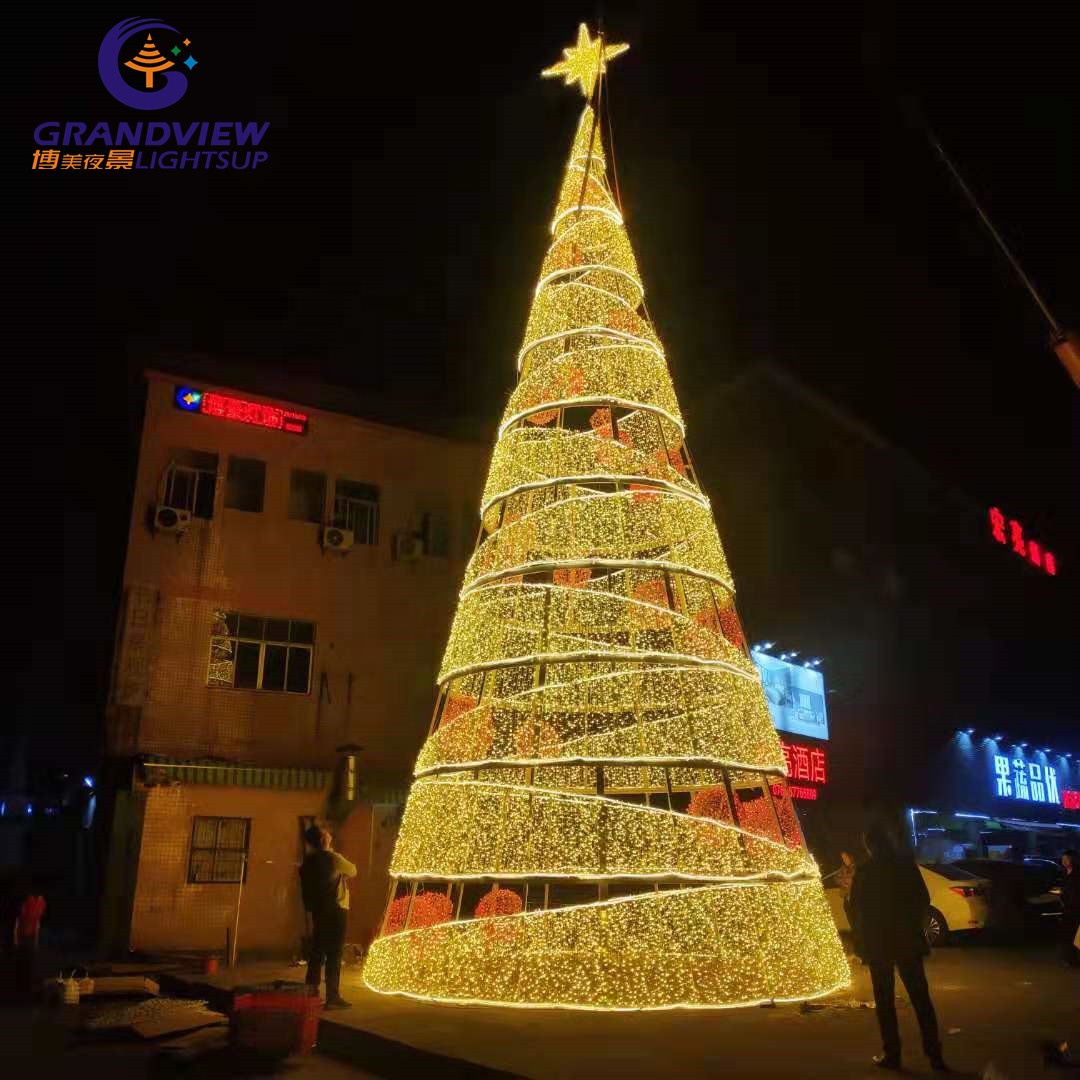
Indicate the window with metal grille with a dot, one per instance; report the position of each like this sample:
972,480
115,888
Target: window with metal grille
190,482
219,849
256,652
356,507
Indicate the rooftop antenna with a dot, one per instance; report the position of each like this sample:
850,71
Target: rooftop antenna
1064,343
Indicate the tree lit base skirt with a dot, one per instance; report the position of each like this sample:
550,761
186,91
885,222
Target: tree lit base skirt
711,946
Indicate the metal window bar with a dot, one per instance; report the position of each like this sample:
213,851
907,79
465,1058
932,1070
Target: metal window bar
236,639
359,515
220,847
188,497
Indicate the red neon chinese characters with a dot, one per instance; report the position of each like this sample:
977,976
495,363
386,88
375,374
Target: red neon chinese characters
1009,531
253,412
1070,800
801,757
804,763
997,524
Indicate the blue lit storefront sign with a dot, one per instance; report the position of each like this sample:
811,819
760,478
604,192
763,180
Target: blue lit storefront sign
989,796
1026,781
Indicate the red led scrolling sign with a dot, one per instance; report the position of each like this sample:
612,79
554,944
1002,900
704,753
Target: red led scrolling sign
797,791
1009,531
228,407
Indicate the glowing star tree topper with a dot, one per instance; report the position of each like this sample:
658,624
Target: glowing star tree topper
585,62
599,817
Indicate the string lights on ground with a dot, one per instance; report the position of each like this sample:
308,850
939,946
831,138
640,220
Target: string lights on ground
600,817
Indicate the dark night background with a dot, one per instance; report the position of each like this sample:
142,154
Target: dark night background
780,205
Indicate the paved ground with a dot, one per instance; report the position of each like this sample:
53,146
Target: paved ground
997,1005
45,1042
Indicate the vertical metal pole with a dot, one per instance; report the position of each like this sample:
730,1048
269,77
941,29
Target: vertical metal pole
236,921
371,843
389,900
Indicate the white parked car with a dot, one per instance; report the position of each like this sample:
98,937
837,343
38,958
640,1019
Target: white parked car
959,901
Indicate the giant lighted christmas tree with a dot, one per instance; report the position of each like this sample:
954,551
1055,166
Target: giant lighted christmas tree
600,817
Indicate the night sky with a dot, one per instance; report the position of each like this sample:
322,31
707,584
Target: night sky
781,205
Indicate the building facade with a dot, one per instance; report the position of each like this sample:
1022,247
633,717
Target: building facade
993,795
289,580
933,610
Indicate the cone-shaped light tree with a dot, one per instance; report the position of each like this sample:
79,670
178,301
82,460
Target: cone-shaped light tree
599,817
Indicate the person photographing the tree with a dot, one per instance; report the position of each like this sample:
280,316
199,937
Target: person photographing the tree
324,885
889,902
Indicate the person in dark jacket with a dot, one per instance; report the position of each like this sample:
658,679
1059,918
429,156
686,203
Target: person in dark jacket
324,885
889,901
1070,903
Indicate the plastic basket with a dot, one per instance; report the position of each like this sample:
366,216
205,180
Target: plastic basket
276,1021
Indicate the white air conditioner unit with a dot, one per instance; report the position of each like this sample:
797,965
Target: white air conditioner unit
408,547
168,519
335,539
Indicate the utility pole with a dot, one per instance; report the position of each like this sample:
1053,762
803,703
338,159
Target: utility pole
1065,343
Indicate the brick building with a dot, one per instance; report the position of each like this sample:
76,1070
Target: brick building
290,576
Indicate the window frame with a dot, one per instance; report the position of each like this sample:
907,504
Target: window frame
214,851
440,525
199,476
237,638
345,509
239,459
293,473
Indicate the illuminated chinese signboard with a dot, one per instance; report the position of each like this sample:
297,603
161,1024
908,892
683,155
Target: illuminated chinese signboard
804,763
1028,781
1008,531
228,407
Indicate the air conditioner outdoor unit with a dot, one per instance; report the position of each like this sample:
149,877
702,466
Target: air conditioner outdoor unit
335,539
408,547
168,519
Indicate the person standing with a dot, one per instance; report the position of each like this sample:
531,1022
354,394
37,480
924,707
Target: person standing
324,885
845,878
27,933
1070,914
889,901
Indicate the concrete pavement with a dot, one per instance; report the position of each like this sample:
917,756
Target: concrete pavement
997,1006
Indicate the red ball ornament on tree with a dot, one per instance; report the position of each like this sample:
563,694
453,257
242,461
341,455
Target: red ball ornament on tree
732,630
711,802
428,909
498,902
